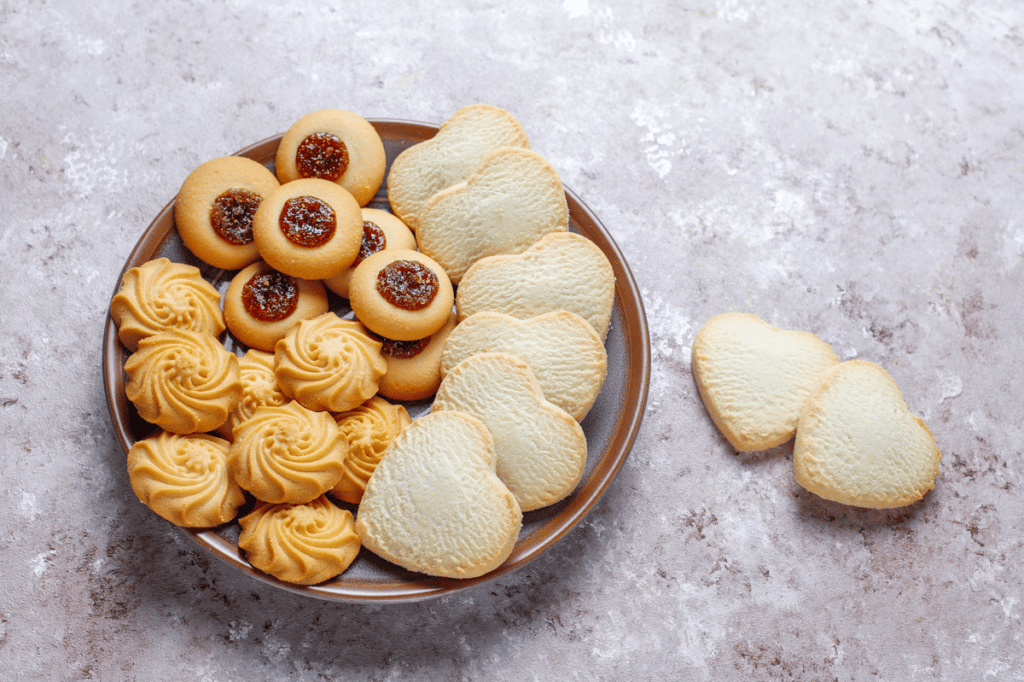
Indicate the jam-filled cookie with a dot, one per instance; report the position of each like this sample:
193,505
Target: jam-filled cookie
335,145
381,230
160,295
303,544
215,208
262,304
185,479
401,294
309,228
183,381
414,367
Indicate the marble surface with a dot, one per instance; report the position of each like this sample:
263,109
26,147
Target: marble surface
848,168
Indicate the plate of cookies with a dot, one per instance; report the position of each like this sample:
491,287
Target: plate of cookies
376,360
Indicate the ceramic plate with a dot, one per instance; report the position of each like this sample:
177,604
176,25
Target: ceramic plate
610,426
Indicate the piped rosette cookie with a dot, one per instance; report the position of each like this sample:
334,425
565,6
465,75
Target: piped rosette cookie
183,381
259,388
329,363
287,454
369,430
185,479
160,295
303,544
262,304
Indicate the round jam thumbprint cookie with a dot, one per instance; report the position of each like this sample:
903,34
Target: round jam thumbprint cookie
309,228
414,367
401,294
262,304
335,145
381,230
215,208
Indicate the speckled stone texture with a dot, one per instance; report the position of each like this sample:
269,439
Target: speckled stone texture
851,168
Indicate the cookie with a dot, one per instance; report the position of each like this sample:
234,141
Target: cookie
287,453
308,228
401,294
215,209
562,349
562,271
449,157
185,479
262,304
435,505
369,430
858,443
328,363
755,379
541,450
334,145
304,544
511,200
259,388
183,381
381,230
414,367
160,295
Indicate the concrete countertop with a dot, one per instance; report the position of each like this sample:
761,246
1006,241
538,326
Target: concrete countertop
853,169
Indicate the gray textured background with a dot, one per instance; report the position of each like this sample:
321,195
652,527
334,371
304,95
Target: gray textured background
852,168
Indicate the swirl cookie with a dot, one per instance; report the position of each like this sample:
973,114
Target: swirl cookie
185,479
381,230
259,388
160,295
215,208
303,544
328,363
448,158
183,381
369,430
512,199
414,367
287,453
262,304
308,228
337,146
401,294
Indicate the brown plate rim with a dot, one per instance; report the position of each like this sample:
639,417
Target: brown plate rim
633,405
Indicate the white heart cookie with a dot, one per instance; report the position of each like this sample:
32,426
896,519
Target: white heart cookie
857,442
756,379
434,503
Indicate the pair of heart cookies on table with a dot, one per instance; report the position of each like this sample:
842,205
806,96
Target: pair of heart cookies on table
856,440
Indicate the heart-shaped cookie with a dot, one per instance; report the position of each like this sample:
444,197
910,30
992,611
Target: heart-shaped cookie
858,443
449,157
512,199
541,449
562,271
756,379
563,350
434,503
